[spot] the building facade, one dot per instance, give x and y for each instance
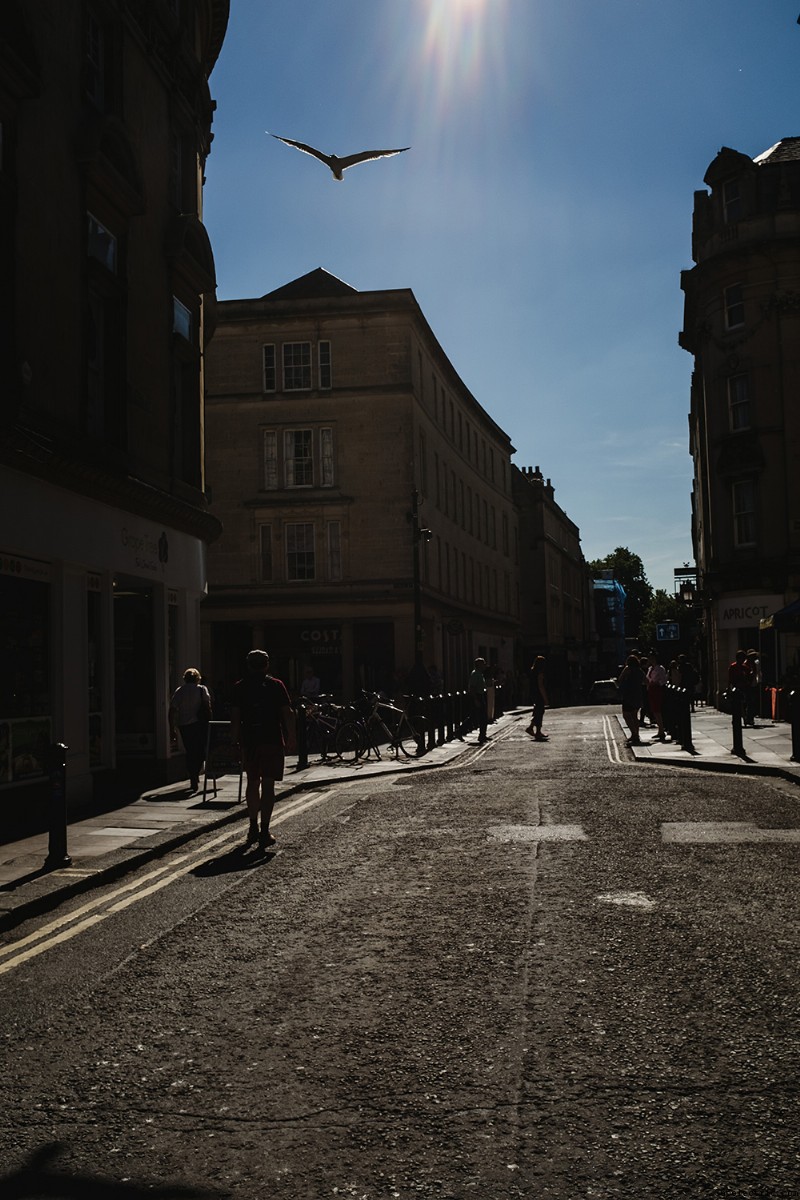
(108, 277)
(556, 611)
(360, 486)
(742, 326)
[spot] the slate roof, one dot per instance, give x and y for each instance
(315, 285)
(786, 150)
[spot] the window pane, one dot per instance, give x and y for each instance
(181, 319)
(744, 514)
(297, 366)
(270, 460)
(734, 306)
(739, 399)
(334, 550)
(270, 378)
(326, 456)
(266, 553)
(300, 551)
(101, 244)
(298, 457)
(325, 373)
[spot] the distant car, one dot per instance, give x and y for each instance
(604, 691)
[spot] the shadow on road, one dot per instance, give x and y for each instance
(240, 859)
(37, 1177)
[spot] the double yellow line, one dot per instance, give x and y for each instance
(64, 928)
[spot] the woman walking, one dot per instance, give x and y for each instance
(539, 699)
(631, 684)
(190, 711)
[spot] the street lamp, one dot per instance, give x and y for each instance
(418, 535)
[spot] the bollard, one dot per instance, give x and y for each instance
(441, 734)
(736, 721)
(794, 702)
(430, 717)
(686, 720)
(449, 715)
(302, 736)
(56, 762)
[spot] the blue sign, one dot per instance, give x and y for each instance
(669, 631)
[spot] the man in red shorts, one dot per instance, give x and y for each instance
(262, 724)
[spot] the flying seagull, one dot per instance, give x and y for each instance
(340, 165)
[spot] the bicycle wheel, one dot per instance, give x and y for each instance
(404, 739)
(350, 743)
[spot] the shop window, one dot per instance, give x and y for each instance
(25, 724)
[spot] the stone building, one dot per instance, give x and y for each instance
(556, 612)
(742, 325)
(327, 410)
(105, 120)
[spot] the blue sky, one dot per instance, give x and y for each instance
(542, 217)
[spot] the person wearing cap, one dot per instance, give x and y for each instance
(262, 724)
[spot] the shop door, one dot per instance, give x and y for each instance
(134, 672)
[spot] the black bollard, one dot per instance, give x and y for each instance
(56, 762)
(429, 708)
(686, 720)
(302, 736)
(736, 721)
(794, 709)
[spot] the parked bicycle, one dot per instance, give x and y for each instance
(323, 720)
(378, 722)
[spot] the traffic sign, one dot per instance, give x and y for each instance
(669, 631)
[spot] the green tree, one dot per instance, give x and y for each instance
(628, 570)
(664, 608)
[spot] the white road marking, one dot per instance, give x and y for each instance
(628, 900)
(730, 832)
(537, 833)
(612, 749)
(66, 927)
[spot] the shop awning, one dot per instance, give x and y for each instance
(786, 619)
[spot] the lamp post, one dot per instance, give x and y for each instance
(418, 535)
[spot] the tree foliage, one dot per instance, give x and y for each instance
(664, 608)
(628, 570)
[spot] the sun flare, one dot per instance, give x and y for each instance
(459, 42)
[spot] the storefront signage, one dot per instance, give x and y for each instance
(24, 568)
(738, 612)
(148, 552)
(325, 640)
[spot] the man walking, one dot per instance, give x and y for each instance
(262, 725)
(477, 694)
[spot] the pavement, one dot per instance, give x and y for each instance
(105, 846)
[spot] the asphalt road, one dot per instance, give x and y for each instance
(547, 972)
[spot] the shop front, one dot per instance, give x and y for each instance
(100, 618)
(344, 655)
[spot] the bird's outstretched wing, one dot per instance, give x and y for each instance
(339, 165)
(326, 158)
(366, 155)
